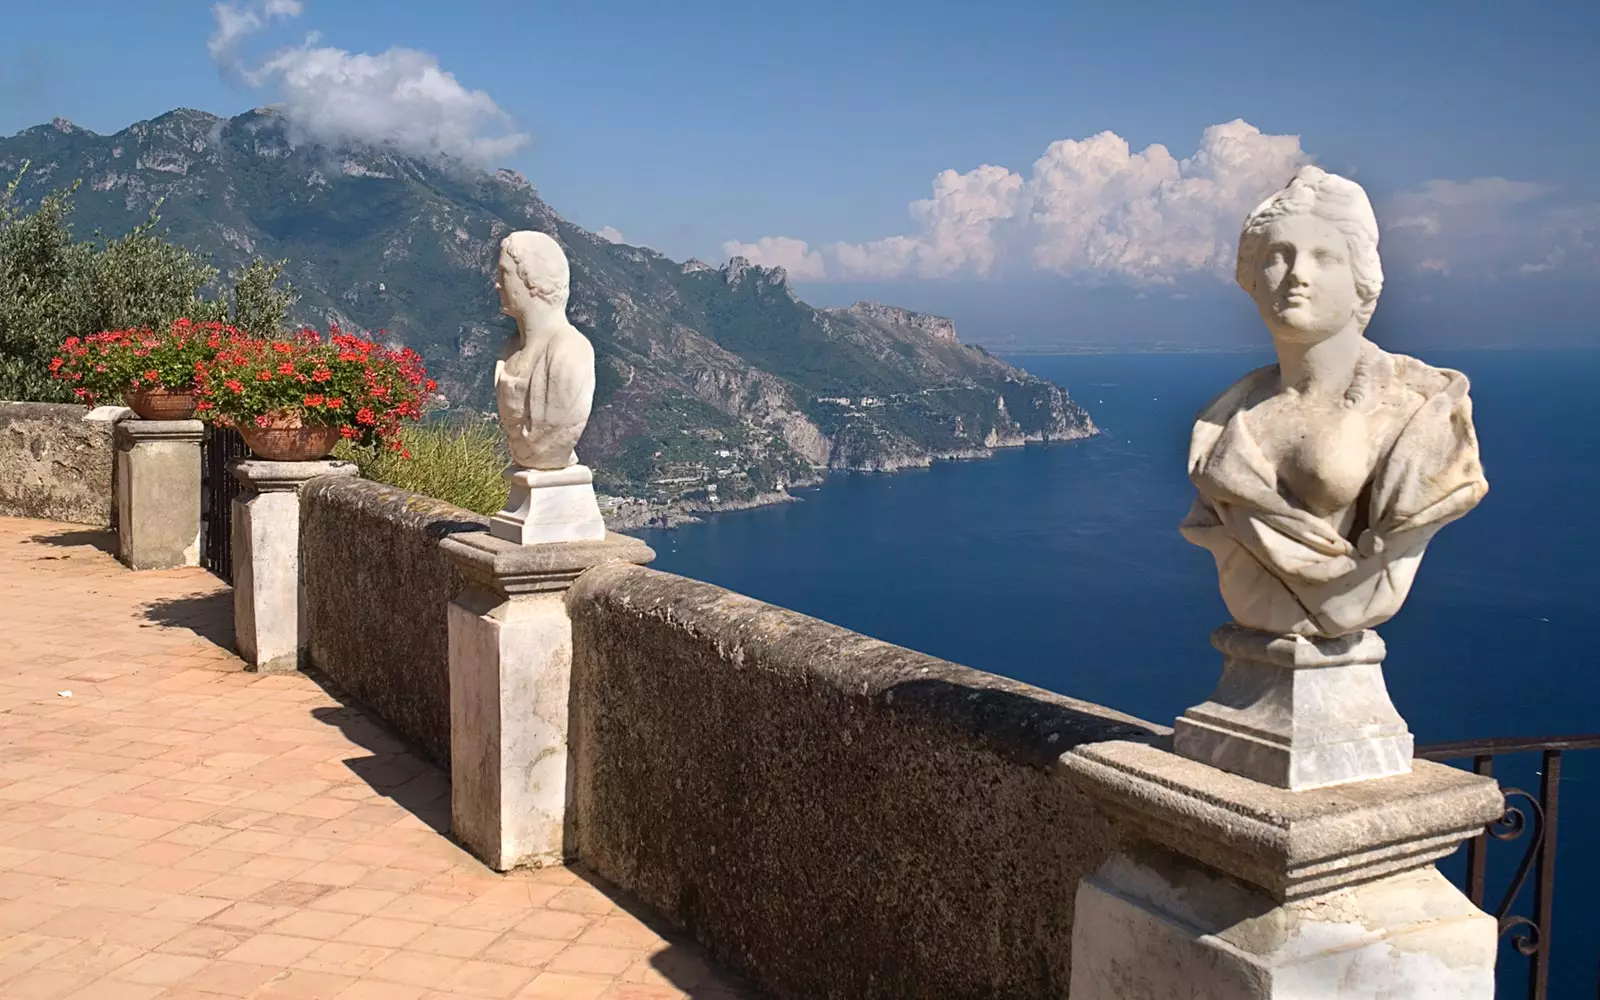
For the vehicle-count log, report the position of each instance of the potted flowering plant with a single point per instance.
(154, 373)
(293, 400)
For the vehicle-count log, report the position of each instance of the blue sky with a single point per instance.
(801, 134)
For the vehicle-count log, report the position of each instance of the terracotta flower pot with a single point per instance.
(160, 404)
(285, 438)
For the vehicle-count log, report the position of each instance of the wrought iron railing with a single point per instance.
(1527, 815)
(218, 487)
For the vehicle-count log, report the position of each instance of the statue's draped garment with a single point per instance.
(1283, 569)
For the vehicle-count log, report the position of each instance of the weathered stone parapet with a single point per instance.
(510, 680)
(158, 492)
(833, 815)
(1236, 889)
(57, 462)
(267, 607)
(376, 592)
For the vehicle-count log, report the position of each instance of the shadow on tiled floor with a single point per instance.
(175, 828)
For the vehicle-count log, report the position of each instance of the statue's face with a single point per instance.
(1306, 289)
(507, 285)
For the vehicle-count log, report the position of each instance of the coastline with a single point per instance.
(645, 516)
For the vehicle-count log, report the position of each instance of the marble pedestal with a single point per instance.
(1297, 713)
(1231, 890)
(555, 505)
(157, 478)
(510, 673)
(267, 611)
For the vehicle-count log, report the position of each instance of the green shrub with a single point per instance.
(53, 287)
(458, 462)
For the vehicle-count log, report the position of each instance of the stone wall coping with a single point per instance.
(512, 570)
(265, 476)
(1031, 725)
(1292, 844)
(134, 430)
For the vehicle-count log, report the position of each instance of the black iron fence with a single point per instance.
(1526, 918)
(218, 487)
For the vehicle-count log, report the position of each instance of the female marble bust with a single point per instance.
(544, 381)
(1322, 478)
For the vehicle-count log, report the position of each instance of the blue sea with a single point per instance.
(1061, 565)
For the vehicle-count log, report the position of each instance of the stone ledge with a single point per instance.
(265, 476)
(1291, 844)
(513, 570)
(133, 430)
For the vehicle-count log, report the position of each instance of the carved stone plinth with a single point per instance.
(510, 672)
(1231, 890)
(1297, 713)
(266, 560)
(549, 506)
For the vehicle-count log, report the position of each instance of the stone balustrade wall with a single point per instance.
(831, 814)
(376, 589)
(56, 463)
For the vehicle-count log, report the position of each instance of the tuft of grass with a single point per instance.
(458, 462)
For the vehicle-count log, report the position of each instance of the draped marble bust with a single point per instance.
(544, 381)
(1322, 478)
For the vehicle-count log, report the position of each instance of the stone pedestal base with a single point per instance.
(549, 506)
(1297, 713)
(1149, 924)
(510, 673)
(157, 480)
(266, 560)
(1229, 889)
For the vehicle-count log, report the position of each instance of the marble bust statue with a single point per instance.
(544, 382)
(544, 390)
(1322, 478)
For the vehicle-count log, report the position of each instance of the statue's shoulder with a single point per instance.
(1239, 395)
(1422, 381)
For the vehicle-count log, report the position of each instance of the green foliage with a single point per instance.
(260, 307)
(458, 462)
(53, 287)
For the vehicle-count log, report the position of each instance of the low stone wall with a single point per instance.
(831, 814)
(56, 462)
(377, 590)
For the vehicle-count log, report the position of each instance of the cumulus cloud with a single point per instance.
(610, 234)
(1094, 209)
(399, 98)
(1087, 207)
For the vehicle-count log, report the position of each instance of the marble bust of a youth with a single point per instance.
(544, 382)
(1322, 478)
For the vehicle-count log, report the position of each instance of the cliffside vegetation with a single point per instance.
(710, 379)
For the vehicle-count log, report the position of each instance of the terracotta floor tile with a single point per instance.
(230, 979)
(416, 969)
(44, 984)
(557, 986)
(162, 970)
(183, 830)
(593, 960)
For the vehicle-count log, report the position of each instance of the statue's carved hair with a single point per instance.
(539, 264)
(1328, 196)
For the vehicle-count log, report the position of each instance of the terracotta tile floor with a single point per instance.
(178, 828)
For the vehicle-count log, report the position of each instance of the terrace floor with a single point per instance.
(172, 826)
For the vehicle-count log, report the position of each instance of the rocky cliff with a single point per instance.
(708, 377)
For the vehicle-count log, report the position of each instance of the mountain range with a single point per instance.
(705, 375)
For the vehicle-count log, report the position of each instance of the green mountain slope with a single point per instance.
(705, 374)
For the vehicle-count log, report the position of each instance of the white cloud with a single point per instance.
(400, 97)
(1089, 207)
(1490, 227)
(610, 234)
(1093, 208)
